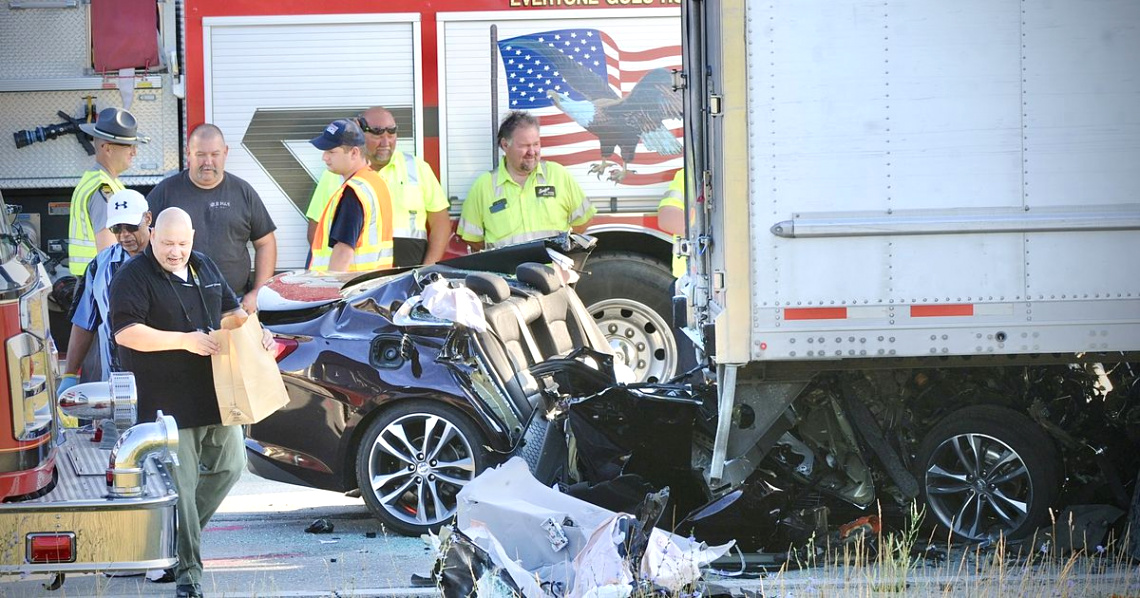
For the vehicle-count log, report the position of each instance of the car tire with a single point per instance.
(630, 297)
(987, 470)
(412, 461)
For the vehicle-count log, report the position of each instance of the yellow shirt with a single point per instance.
(498, 212)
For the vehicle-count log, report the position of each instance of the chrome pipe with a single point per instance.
(115, 399)
(126, 475)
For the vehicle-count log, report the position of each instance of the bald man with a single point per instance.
(164, 303)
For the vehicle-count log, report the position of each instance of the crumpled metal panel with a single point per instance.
(39, 43)
(60, 162)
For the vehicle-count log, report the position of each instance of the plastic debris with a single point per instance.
(320, 526)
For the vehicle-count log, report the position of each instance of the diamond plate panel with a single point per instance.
(59, 162)
(39, 43)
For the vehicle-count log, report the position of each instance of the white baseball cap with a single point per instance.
(126, 207)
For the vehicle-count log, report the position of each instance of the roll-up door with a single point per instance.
(273, 83)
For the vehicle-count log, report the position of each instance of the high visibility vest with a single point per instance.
(373, 249)
(408, 212)
(675, 197)
(81, 233)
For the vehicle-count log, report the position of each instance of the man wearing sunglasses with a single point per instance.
(421, 226)
(116, 139)
(128, 218)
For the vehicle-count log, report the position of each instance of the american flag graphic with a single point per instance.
(531, 72)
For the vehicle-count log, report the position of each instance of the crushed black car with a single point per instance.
(408, 401)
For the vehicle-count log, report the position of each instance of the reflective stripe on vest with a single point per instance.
(81, 233)
(410, 185)
(373, 249)
(522, 237)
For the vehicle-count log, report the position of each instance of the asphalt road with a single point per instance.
(256, 545)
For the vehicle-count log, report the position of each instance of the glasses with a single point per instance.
(378, 130)
(119, 228)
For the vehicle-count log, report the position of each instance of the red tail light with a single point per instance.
(51, 548)
(285, 346)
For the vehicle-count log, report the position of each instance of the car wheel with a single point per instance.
(988, 470)
(413, 460)
(630, 297)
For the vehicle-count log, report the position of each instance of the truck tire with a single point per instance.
(985, 470)
(413, 460)
(630, 297)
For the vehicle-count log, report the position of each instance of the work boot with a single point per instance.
(189, 590)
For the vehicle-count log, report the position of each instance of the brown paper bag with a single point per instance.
(246, 378)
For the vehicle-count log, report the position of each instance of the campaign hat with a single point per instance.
(115, 125)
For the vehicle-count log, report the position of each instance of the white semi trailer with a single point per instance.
(913, 227)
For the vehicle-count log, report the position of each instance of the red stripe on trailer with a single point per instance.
(815, 313)
(938, 311)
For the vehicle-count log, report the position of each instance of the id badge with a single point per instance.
(545, 191)
(499, 205)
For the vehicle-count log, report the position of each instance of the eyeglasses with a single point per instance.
(118, 228)
(364, 126)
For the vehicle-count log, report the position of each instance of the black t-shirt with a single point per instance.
(178, 382)
(225, 219)
(348, 220)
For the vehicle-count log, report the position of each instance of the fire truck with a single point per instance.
(272, 75)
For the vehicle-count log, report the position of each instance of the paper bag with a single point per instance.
(246, 378)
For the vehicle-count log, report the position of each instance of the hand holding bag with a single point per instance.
(246, 378)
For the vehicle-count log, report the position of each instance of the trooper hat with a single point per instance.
(339, 132)
(115, 125)
(126, 207)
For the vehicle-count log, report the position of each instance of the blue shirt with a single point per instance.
(92, 304)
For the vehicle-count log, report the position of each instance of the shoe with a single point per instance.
(168, 576)
(188, 591)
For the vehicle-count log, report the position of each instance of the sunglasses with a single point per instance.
(378, 130)
(118, 228)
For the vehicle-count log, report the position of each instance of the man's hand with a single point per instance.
(267, 340)
(199, 343)
(249, 301)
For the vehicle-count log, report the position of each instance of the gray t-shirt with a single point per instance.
(226, 218)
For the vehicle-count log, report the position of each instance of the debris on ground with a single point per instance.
(514, 536)
(320, 526)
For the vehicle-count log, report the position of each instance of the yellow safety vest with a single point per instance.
(81, 233)
(675, 197)
(409, 215)
(517, 214)
(373, 249)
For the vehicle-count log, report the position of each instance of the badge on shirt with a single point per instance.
(544, 191)
(499, 206)
(107, 191)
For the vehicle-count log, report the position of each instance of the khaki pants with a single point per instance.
(210, 461)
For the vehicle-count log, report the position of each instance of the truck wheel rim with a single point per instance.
(978, 486)
(639, 337)
(417, 465)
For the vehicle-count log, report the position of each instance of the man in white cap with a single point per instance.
(128, 218)
(116, 138)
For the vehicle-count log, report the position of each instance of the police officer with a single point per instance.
(421, 226)
(671, 218)
(525, 198)
(116, 137)
(354, 231)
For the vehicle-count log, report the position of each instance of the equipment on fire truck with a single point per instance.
(69, 126)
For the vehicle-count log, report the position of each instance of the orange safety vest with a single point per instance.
(373, 249)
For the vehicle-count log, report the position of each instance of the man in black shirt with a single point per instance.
(226, 211)
(163, 306)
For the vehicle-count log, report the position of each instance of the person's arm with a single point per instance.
(475, 246)
(439, 233)
(311, 232)
(141, 337)
(264, 262)
(470, 227)
(580, 208)
(581, 229)
(104, 238)
(341, 259)
(77, 347)
(671, 219)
